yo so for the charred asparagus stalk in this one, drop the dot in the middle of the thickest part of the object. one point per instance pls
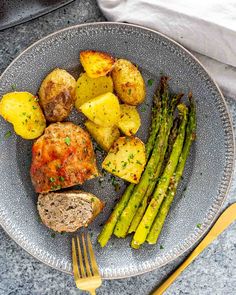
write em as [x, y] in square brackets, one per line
[140, 189]
[163, 161]
[142, 207]
[165, 206]
[160, 191]
[108, 228]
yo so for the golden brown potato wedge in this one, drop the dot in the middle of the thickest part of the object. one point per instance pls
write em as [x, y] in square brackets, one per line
[57, 95]
[103, 110]
[95, 63]
[126, 159]
[104, 136]
[23, 111]
[128, 82]
[88, 88]
[129, 122]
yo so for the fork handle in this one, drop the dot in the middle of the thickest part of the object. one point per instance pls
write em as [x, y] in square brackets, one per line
[226, 218]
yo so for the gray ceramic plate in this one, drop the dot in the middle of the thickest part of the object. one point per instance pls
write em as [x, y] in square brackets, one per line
[14, 12]
[208, 171]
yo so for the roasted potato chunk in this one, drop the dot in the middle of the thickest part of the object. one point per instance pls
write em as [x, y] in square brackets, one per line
[104, 136]
[126, 159]
[103, 110]
[96, 64]
[88, 88]
[57, 95]
[23, 111]
[129, 122]
[128, 82]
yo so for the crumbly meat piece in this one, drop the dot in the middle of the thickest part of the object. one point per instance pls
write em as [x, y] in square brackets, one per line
[62, 157]
[68, 211]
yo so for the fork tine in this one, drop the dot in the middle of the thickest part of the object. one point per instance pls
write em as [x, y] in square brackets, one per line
[74, 261]
[81, 263]
[87, 266]
[92, 257]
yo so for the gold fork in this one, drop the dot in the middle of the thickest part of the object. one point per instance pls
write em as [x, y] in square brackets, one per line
[225, 219]
[86, 274]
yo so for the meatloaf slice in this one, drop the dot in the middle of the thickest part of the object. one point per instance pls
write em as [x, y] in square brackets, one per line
[68, 211]
[62, 157]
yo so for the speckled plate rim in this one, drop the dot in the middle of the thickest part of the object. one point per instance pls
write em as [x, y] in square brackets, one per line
[35, 15]
[212, 213]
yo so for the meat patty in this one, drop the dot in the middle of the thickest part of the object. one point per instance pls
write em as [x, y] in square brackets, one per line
[68, 211]
[62, 157]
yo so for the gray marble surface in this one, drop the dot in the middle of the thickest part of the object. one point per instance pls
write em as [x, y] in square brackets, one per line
[213, 272]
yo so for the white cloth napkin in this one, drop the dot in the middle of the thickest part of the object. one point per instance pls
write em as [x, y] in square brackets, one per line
[207, 28]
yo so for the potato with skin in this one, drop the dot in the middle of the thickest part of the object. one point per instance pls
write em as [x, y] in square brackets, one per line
[104, 136]
[128, 82]
[23, 111]
[103, 110]
[96, 64]
[126, 159]
[57, 95]
[88, 88]
[129, 122]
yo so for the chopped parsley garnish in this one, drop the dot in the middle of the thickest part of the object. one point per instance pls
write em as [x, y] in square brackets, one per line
[13, 87]
[34, 108]
[36, 98]
[124, 164]
[199, 225]
[7, 134]
[150, 82]
[161, 247]
[131, 156]
[129, 91]
[115, 184]
[67, 140]
[143, 109]
[52, 179]
[54, 187]
[98, 148]
[61, 178]
[53, 235]
[138, 162]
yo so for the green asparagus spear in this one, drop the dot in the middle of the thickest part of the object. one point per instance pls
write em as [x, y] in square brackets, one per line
[156, 119]
[108, 228]
[165, 153]
[171, 141]
[129, 211]
[142, 207]
[165, 206]
[160, 191]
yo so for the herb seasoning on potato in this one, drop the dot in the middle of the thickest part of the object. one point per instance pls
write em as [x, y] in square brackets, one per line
[129, 122]
[104, 136]
[88, 88]
[23, 111]
[103, 110]
[57, 95]
[126, 159]
[128, 82]
[96, 64]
